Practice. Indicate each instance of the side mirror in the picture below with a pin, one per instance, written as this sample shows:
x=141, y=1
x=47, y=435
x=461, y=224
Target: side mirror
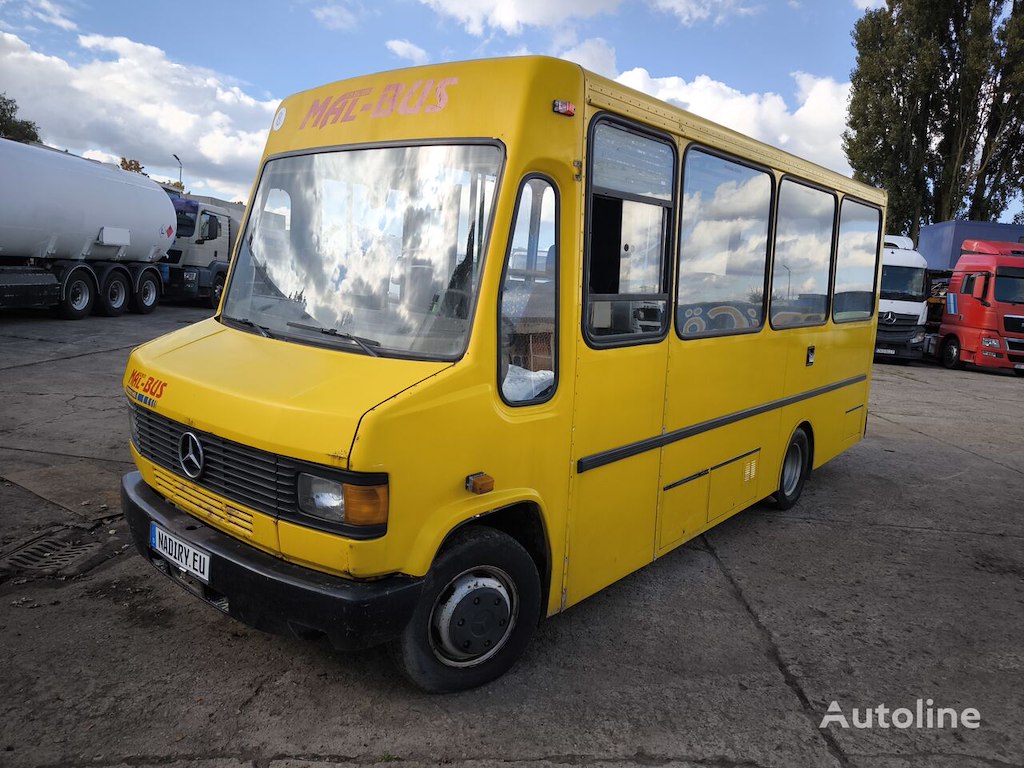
x=980, y=288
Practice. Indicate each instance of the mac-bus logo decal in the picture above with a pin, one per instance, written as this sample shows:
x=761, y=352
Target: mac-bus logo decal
x=403, y=98
x=144, y=389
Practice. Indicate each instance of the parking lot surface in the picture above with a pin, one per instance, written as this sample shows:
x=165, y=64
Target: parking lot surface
x=898, y=577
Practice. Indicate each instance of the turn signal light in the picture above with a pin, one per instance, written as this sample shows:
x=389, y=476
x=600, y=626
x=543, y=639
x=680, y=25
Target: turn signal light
x=366, y=504
x=566, y=108
x=481, y=482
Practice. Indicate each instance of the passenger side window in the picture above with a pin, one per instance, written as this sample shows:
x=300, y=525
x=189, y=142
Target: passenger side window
x=631, y=199
x=968, y=284
x=856, y=261
x=528, y=353
x=803, y=255
x=723, y=251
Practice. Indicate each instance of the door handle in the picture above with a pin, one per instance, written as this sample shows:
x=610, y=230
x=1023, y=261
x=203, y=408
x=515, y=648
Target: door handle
x=810, y=355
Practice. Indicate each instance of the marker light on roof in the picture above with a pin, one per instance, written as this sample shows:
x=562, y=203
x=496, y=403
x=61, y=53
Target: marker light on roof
x=566, y=108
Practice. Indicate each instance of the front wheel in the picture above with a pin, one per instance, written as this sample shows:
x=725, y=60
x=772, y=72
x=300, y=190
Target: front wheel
x=480, y=604
x=216, y=291
x=796, y=466
x=951, y=353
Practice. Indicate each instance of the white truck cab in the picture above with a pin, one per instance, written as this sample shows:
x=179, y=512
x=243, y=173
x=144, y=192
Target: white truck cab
x=902, y=306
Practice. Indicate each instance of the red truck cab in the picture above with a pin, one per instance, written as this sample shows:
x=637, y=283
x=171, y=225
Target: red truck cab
x=983, y=321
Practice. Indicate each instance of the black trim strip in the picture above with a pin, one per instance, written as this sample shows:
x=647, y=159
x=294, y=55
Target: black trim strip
x=732, y=461
x=685, y=480
x=855, y=408
x=596, y=460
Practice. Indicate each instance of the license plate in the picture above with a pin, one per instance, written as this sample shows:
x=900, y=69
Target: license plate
x=884, y=351
x=188, y=558
x=1019, y=366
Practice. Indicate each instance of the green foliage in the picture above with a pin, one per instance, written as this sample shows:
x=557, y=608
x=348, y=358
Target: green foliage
x=936, y=111
x=13, y=128
x=132, y=165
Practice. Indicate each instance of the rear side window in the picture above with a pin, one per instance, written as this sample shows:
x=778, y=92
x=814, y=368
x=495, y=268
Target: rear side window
x=723, y=252
x=803, y=255
x=630, y=213
x=856, y=261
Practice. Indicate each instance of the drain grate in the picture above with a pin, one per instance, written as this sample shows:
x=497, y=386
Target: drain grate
x=48, y=554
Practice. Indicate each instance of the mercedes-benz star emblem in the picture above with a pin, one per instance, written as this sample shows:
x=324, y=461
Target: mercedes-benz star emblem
x=190, y=455
x=888, y=318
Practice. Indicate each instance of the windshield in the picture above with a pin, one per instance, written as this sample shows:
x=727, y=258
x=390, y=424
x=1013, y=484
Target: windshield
x=1010, y=288
x=373, y=251
x=902, y=283
x=186, y=223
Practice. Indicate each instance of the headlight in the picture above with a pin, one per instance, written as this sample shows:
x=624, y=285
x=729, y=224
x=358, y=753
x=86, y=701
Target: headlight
x=338, y=502
x=322, y=498
x=990, y=343
x=919, y=336
x=191, y=276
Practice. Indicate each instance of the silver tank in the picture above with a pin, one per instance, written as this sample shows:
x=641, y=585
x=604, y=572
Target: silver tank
x=59, y=206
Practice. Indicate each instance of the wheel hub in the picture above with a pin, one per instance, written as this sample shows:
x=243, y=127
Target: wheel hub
x=473, y=618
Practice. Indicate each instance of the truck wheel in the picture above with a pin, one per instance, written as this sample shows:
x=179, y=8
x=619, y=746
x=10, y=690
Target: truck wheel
x=479, y=607
x=796, y=466
x=79, y=295
x=114, y=296
x=147, y=294
x=216, y=291
x=951, y=353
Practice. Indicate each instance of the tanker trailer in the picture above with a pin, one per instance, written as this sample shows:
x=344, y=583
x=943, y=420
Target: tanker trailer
x=79, y=235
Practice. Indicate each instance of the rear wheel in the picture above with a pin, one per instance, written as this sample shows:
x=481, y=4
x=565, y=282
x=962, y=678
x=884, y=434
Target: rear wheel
x=951, y=353
x=79, y=295
x=796, y=466
x=114, y=295
x=147, y=294
x=479, y=607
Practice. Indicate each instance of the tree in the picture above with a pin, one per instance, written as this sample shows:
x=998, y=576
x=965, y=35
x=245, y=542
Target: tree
x=12, y=128
x=132, y=165
x=936, y=112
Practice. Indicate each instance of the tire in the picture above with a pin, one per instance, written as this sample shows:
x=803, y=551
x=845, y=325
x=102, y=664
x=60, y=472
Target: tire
x=951, y=353
x=216, y=291
x=796, y=466
x=79, y=295
x=146, y=295
x=480, y=605
x=115, y=295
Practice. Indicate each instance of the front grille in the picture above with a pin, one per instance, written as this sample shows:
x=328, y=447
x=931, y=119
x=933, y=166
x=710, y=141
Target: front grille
x=257, y=479
x=1013, y=324
x=901, y=329
x=204, y=505
x=1015, y=345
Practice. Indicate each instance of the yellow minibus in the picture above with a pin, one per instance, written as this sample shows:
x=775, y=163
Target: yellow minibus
x=495, y=335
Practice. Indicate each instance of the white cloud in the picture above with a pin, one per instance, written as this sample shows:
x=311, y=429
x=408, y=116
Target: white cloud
x=403, y=49
x=46, y=11
x=335, y=16
x=511, y=16
x=594, y=54
x=868, y=5
x=114, y=97
x=690, y=12
x=813, y=130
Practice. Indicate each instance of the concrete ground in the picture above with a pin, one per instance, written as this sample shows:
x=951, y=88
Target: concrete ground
x=898, y=576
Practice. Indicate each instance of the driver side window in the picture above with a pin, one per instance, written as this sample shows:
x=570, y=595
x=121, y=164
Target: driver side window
x=527, y=350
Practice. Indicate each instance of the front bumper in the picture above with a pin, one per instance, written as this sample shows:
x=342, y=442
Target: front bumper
x=899, y=350
x=268, y=593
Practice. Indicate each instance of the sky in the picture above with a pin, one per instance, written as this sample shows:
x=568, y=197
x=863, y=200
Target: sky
x=147, y=80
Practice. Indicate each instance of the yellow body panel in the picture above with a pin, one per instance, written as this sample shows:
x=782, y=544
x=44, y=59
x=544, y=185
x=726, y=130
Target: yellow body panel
x=430, y=425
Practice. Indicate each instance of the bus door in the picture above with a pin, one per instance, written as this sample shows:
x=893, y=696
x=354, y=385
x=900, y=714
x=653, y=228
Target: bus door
x=725, y=364
x=621, y=358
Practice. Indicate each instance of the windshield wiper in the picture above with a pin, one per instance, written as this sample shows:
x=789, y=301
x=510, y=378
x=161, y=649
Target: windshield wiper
x=248, y=324
x=367, y=345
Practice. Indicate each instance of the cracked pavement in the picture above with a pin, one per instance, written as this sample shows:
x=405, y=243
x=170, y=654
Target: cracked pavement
x=899, y=575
